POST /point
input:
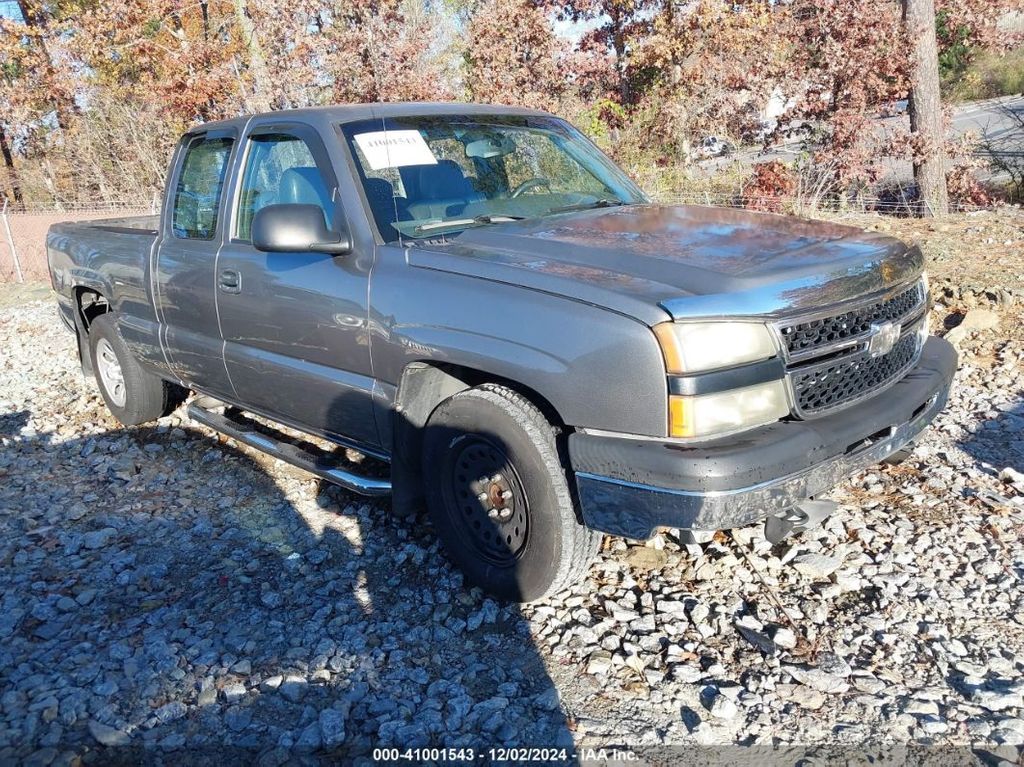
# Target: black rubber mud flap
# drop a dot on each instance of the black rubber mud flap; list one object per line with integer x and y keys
{"x": 84, "y": 353}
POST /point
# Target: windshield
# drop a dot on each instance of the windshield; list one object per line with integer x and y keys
{"x": 438, "y": 175}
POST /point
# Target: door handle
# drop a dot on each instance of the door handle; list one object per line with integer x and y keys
{"x": 230, "y": 281}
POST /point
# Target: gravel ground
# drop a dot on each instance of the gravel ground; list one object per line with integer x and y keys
{"x": 163, "y": 587}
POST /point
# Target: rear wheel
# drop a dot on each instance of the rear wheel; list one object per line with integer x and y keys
{"x": 498, "y": 495}
{"x": 133, "y": 395}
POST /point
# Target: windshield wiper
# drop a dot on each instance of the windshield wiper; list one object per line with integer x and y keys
{"x": 604, "y": 202}
{"x": 497, "y": 218}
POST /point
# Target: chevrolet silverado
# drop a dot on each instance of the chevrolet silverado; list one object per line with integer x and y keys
{"x": 496, "y": 320}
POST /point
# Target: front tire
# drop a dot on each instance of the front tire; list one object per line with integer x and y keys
{"x": 498, "y": 496}
{"x": 132, "y": 394}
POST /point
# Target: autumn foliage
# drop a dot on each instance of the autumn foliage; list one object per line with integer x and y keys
{"x": 93, "y": 93}
{"x": 770, "y": 186}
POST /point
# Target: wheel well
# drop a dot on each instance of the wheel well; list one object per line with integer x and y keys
{"x": 423, "y": 387}
{"x": 90, "y": 304}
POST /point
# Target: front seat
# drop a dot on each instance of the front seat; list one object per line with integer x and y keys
{"x": 386, "y": 207}
{"x": 437, "y": 191}
{"x": 304, "y": 186}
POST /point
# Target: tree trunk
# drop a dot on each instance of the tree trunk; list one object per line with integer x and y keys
{"x": 257, "y": 61}
{"x": 619, "y": 49}
{"x": 12, "y": 173}
{"x": 62, "y": 105}
{"x": 925, "y": 108}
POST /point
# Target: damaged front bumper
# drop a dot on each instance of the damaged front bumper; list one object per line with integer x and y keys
{"x": 630, "y": 486}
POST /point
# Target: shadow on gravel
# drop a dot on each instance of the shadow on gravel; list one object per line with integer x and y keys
{"x": 161, "y": 591}
{"x": 999, "y": 442}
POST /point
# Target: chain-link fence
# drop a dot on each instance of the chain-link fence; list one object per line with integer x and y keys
{"x": 23, "y": 232}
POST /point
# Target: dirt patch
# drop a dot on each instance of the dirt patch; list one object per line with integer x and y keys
{"x": 13, "y": 294}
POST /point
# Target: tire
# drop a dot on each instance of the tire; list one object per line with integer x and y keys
{"x": 139, "y": 396}
{"x": 498, "y": 496}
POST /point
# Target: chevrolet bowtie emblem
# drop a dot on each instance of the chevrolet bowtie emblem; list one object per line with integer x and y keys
{"x": 883, "y": 337}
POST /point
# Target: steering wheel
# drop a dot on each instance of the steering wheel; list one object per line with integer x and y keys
{"x": 530, "y": 183}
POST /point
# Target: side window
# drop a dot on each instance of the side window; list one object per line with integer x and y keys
{"x": 279, "y": 170}
{"x": 197, "y": 198}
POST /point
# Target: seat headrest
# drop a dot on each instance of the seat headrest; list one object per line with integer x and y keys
{"x": 303, "y": 185}
{"x": 443, "y": 181}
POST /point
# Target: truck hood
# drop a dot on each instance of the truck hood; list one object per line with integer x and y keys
{"x": 659, "y": 262}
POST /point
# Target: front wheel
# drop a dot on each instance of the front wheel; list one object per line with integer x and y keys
{"x": 498, "y": 495}
{"x": 133, "y": 395}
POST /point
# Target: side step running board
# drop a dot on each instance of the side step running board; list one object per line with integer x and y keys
{"x": 242, "y": 429}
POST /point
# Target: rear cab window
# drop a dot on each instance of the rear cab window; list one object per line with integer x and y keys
{"x": 197, "y": 195}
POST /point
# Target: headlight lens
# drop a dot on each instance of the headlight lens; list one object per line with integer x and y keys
{"x": 708, "y": 415}
{"x": 695, "y": 347}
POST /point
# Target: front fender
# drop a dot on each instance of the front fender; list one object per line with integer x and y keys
{"x": 596, "y": 368}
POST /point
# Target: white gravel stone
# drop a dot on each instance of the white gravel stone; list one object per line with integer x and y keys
{"x": 721, "y": 707}
{"x": 816, "y": 565}
{"x": 139, "y": 583}
{"x": 106, "y": 735}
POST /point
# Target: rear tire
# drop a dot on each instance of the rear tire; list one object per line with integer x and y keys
{"x": 498, "y": 496}
{"x": 133, "y": 395}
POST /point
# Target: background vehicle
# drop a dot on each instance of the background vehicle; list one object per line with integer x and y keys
{"x": 715, "y": 146}
{"x": 479, "y": 301}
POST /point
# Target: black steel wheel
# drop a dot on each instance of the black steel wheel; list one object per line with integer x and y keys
{"x": 485, "y": 486}
{"x": 498, "y": 495}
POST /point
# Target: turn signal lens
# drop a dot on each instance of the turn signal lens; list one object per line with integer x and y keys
{"x": 680, "y": 416}
{"x": 695, "y": 347}
{"x": 709, "y": 415}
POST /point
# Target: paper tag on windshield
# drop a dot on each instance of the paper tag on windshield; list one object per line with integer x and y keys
{"x": 394, "y": 149}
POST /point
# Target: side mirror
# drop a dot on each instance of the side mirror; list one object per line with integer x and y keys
{"x": 295, "y": 227}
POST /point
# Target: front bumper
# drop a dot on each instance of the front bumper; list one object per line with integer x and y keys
{"x": 630, "y": 487}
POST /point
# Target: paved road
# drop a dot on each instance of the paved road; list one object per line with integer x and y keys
{"x": 987, "y": 120}
{"x": 990, "y": 120}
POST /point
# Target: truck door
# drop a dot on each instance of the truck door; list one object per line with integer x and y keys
{"x": 295, "y": 324}
{"x": 186, "y": 258}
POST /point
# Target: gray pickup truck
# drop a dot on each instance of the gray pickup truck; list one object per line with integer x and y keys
{"x": 473, "y": 309}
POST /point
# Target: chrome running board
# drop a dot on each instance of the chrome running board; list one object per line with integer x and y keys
{"x": 236, "y": 425}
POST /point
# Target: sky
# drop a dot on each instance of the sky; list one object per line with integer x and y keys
{"x": 9, "y": 9}
{"x": 574, "y": 30}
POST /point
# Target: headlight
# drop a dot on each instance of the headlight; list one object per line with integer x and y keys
{"x": 708, "y": 415}
{"x": 695, "y": 347}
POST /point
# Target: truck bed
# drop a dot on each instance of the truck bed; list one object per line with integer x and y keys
{"x": 98, "y": 254}
{"x": 125, "y": 224}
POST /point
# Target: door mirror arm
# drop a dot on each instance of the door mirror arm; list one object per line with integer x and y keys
{"x": 297, "y": 228}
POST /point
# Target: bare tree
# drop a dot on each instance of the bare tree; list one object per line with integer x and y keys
{"x": 926, "y": 108}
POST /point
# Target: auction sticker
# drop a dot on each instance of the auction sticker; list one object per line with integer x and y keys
{"x": 394, "y": 149}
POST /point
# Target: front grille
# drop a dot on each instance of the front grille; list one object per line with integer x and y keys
{"x": 823, "y": 387}
{"x": 829, "y": 364}
{"x": 804, "y": 338}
